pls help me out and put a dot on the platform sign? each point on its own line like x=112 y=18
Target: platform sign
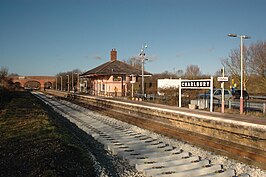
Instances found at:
x=222 y=79
x=197 y=84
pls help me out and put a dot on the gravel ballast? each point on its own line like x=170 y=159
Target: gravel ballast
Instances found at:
x=122 y=168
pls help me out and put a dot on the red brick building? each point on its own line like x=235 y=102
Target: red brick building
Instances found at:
x=111 y=78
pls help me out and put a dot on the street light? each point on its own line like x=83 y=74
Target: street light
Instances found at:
x=72 y=82
x=142 y=57
x=78 y=85
x=56 y=83
x=241 y=70
x=68 y=83
x=61 y=84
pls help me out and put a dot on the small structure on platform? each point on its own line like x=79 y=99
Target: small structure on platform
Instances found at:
x=112 y=78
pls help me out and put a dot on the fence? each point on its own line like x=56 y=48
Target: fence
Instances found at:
x=249 y=105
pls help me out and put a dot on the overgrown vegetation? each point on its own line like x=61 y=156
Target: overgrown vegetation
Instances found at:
x=33 y=143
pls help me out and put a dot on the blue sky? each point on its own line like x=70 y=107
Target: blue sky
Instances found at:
x=45 y=37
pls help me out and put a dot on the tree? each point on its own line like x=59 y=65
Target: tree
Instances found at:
x=135 y=62
x=258 y=60
x=180 y=73
x=13 y=74
x=3 y=73
x=233 y=65
x=192 y=72
x=254 y=62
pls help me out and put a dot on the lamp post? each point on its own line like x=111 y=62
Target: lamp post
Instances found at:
x=142 y=57
x=61 y=84
x=222 y=84
x=68 y=83
x=72 y=82
x=241 y=67
x=78 y=85
x=56 y=83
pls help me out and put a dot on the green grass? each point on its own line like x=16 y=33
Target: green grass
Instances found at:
x=32 y=143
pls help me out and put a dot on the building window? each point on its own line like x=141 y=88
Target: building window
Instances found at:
x=117 y=78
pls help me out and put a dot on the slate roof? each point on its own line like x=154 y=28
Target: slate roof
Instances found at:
x=114 y=67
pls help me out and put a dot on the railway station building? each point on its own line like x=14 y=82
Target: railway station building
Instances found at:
x=113 y=78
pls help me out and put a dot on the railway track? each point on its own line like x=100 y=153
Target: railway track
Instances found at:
x=148 y=155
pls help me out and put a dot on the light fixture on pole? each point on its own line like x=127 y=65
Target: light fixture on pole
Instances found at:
x=72 y=82
x=78 y=89
x=56 y=83
x=68 y=83
x=241 y=67
x=61 y=84
x=142 y=57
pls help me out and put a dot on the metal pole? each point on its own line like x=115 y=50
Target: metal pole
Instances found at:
x=179 y=94
x=68 y=83
x=142 y=55
x=56 y=83
x=211 y=98
x=132 y=88
x=78 y=85
x=72 y=82
x=264 y=109
x=142 y=72
x=222 y=84
x=241 y=75
x=241 y=105
x=61 y=83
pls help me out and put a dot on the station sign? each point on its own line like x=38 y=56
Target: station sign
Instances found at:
x=222 y=79
x=197 y=84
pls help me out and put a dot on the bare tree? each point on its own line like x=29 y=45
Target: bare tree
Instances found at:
x=180 y=73
x=135 y=62
x=258 y=60
x=3 y=76
x=3 y=73
x=233 y=64
x=192 y=72
x=254 y=61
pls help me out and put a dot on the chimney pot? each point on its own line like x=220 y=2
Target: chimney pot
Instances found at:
x=113 y=55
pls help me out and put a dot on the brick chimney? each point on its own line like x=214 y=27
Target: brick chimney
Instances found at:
x=113 y=55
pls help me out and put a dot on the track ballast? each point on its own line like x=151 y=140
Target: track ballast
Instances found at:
x=149 y=156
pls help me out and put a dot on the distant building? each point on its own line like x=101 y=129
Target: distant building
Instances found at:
x=111 y=78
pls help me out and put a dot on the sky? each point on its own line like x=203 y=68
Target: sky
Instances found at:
x=46 y=37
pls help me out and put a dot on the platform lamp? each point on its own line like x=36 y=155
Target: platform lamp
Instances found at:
x=241 y=67
x=142 y=57
x=61 y=83
x=72 y=82
x=56 y=83
x=78 y=81
x=67 y=83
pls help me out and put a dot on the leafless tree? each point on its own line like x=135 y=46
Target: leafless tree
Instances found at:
x=233 y=64
x=254 y=61
x=258 y=60
x=3 y=77
x=192 y=72
x=3 y=73
x=135 y=62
